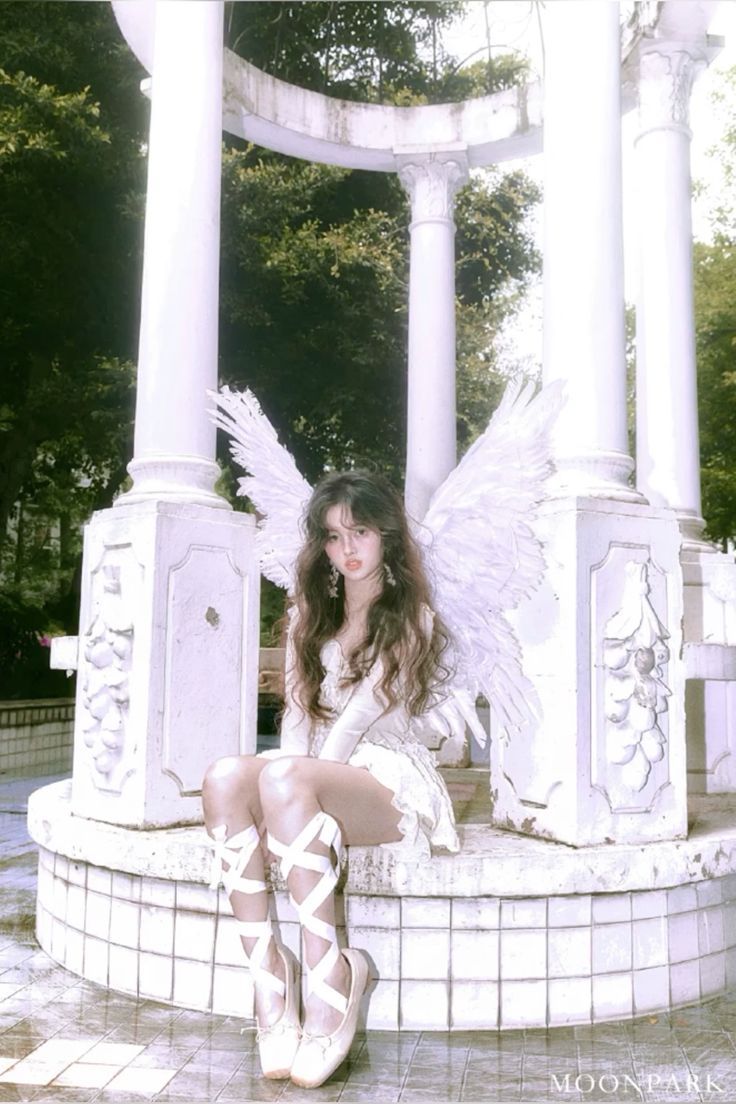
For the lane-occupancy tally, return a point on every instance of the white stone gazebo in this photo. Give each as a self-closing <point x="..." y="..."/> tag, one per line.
<point x="614" y="893"/>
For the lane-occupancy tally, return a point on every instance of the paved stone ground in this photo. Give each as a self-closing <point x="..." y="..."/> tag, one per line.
<point x="62" y="1039"/>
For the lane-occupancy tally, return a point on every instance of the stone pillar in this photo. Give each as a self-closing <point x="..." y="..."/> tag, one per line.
<point x="602" y="637"/>
<point x="168" y="636"/>
<point x="174" y="439"/>
<point x="584" y="338"/>
<point x="668" y="459"/>
<point x="431" y="182"/>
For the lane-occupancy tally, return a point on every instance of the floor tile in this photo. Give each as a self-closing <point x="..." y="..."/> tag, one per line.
<point x="112" y="1096"/>
<point x="362" y="1093"/>
<point x="197" y="1081"/>
<point x="332" y="1091"/>
<point x="17" y="1092"/>
<point x="112" y="1054"/>
<point x="28" y="1072"/>
<point x="161" y="1056"/>
<point x="244" y="1088"/>
<point x="443" y="1093"/>
<point x="86" y="1075"/>
<point x="63" y="1049"/>
<point x="141" y="1080"/>
<point x="59" y="1095"/>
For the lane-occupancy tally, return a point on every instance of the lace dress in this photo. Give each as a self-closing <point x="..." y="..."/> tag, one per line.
<point x="384" y="741"/>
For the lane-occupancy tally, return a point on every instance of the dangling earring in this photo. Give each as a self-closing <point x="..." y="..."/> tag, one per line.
<point x="390" y="577"/>
<point x="332" y="584"/>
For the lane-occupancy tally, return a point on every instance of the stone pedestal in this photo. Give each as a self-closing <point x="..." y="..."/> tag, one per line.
<point x="602" y="644"/>
<point x="168" y="658"/>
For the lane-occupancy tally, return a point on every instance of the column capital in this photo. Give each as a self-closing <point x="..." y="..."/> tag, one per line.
<point x="431" y="182"/>
<point x="667" y="71"/>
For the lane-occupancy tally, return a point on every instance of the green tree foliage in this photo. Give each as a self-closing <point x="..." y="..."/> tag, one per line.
<point x="68" y="255"/>
<point x="314" y="262"/>
<point x="314" y="298"/>
<point x="715" y="311"/>
<point x="370" y="51"/>
<point x="715" y="321"/>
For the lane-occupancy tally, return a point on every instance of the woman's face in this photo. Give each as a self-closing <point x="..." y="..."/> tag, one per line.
<point x="355" y="550"/>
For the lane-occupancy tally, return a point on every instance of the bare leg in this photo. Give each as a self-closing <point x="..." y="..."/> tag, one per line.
<point x="231" y="803"/>
<point x="292" y="791"/>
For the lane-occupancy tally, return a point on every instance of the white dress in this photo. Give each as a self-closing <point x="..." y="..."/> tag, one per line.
<point x="384" y="741"/>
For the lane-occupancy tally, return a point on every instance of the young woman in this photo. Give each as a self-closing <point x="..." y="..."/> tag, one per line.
<point x="363" y="669"/>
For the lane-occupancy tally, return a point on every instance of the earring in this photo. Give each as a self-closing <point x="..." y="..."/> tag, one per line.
<point x="390" y="577"/>
<point x="332" y="584"/>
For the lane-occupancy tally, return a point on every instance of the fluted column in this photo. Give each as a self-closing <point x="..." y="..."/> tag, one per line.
<point x="668" y="459"/>
<point x="431" y="183"/>
<point x="174" y="440"/>
<point x="584" y="341"/>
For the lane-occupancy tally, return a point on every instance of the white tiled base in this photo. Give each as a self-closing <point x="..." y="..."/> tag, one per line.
<point x="37" y="737"/>
<point x="437" y="963"/>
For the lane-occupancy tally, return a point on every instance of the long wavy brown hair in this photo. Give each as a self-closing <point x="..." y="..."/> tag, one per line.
<point x="399" y="632"/>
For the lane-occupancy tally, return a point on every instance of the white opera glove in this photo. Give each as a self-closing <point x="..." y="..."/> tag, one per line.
<point x="362" y="710"/>
<point x="296" y="725"/>
<point x="295" y="731"/>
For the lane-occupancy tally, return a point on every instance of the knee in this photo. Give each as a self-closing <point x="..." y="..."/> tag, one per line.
<point x="281" y="779"/>
<point x="225" y="778"/>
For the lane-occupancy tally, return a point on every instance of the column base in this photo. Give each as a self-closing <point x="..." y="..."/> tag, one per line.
<point x="174" y="479"/>
<point x="593" y="475"/>
<point x="694" y="544"/>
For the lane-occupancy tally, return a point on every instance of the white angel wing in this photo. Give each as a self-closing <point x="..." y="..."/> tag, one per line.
<point x="481" y="554"/>
<point x="275" y="486"/>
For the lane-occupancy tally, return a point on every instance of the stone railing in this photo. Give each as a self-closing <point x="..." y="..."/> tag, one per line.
<point x="36" y="737"/>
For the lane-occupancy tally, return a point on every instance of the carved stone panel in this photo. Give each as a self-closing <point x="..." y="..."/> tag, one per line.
<point x="629" y="759"/>
<point x="106" y="655"/>
<point x="202" y="636"/>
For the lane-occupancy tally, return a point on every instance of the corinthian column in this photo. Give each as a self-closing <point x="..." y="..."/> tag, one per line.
<point x="668" y="460"/>
<point x="584" y="340"/>
<point x="174" y="440"/>
<point x="431" y="183"/>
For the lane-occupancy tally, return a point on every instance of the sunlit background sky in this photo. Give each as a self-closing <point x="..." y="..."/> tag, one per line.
<point x="513" y="25"/>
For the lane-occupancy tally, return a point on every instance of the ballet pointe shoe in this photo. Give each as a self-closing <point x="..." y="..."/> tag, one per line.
<point x="278" y="1043"/>
<point x="319" y="1056"/>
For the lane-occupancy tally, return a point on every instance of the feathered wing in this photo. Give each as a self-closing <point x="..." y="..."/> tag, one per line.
<point x="275" y="486"/>
<point x="482" y="556"/>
